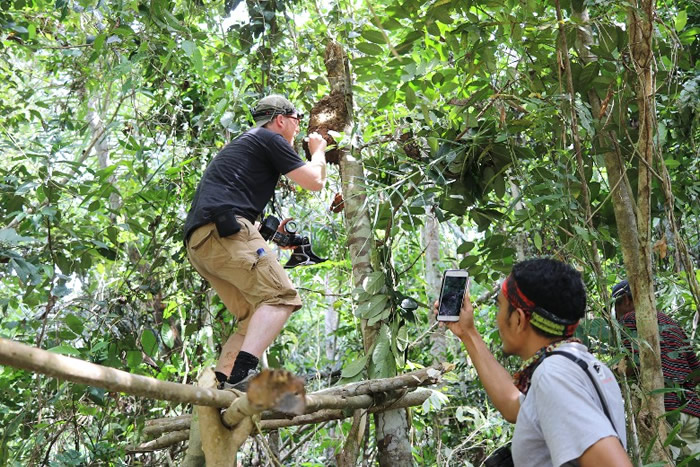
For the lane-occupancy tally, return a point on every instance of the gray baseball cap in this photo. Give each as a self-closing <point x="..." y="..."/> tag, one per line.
<point x="270" y="106"/>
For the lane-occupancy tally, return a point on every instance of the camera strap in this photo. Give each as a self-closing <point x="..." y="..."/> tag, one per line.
<point x="584" y="366"/>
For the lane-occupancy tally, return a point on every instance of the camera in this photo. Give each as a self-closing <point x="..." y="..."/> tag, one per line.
<point x="268" y="231"/>
<point x="302" y="254"/>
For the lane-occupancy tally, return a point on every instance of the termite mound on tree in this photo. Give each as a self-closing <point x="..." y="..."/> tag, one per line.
<point x="330" y="113"/>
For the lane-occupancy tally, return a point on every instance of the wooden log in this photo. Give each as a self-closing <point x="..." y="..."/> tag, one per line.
<point x="29" y="358"/>
<point x="423" y="377"/>
<point x="411" y="399"/>
<point x="163" y="442"/>
<point x="319" y="400"/>
<point x="165" y="420"/>
<point x="176" y="424"/>
<point x="219" y="444"/>
<point x="194" y="456"/>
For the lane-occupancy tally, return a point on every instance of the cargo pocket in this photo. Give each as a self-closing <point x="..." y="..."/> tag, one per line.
<point x="268" y="271"/>
<point x="199" y="237"/>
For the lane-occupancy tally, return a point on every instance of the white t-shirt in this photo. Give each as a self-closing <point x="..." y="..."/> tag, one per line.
<point x="562" y="415"/>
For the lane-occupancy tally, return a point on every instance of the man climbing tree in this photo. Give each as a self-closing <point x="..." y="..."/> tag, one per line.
<point x="226" y="248"/>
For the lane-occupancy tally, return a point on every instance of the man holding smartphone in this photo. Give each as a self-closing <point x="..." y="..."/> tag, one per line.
<point x="223" y="243"/>
<point x="562" y="412"/>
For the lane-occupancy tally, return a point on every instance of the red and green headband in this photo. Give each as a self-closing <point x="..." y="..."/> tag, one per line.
<point x="538" y="316"/>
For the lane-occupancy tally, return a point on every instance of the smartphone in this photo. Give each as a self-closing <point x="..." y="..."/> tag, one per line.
<point x="455" y="283"/>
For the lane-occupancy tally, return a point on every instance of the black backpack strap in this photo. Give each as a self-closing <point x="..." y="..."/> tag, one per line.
<point x="584" y="366"/>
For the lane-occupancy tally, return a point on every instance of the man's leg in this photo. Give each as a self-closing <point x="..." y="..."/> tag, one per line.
<point x="265" y="325"/>
<point x="229" y="352"/>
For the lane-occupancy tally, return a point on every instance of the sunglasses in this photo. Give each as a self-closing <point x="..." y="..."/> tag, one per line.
<point x="296" y="117"/>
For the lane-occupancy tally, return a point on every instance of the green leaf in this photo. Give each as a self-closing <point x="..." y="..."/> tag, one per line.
<point x="538" y="241"/>
<point x="681" y="20"/>
<point x="386" y="99"/>
<point x="465" y="247"/>
<point x="197" y="61"/>
<point x="586" y="76"/>
<point x="383" y="363"/>
<point x="149" y="343"/>
<point x="402" y="338"/>
<point x="99" y="42"/>
<point x="74" y="323"/>
<point x="373" y="35"/>
<point x="133" y="358"/>
<point x="369" y="48"/>
<point x="354" y="368"/>
<point x="381" y="316"/>
<point x="410" y="96"/>
<point x="189" y="47"/>
<point x="672" y="163"/>
<point x="374" y="282"/>
<point x="10" y="236"/>
<point x="372" y="307"/>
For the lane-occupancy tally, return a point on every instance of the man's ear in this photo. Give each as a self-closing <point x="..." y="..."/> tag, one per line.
<point x="521" y="319"/>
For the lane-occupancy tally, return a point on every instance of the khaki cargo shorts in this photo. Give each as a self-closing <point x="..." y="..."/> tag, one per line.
<point x="242" y="280"/>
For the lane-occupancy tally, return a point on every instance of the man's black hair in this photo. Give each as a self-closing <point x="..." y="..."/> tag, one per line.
<point x="552" y="285"/>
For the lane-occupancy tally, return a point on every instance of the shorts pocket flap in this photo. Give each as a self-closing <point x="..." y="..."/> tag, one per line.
<point x="200" y="236"/>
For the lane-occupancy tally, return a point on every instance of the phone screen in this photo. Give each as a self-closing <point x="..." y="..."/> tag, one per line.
<point x="453" y="288"/>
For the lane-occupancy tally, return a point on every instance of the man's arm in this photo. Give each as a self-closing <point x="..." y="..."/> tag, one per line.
<point x="496" y="379"/>
<point x="312" y="175"/>
<point x="605" y="452"/>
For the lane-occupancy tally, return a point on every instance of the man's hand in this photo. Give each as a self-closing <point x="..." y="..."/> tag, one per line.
<point x="466" y="318"/>
<point x="280" y="229"/>
<point x="316" y="143"/>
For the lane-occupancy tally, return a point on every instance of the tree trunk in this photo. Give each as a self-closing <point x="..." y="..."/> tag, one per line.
<point x="392" y="427"/>
<point x="641" y="31"/>
<point x="633" y="220"/>
<point x="431" y="245"/>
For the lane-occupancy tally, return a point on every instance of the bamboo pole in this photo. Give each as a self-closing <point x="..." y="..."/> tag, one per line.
<point x="29" y="358"/>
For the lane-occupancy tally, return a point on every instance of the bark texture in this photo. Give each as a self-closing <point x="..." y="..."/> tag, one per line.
<point x="392" y="427"/>
<point x="29" y="358"/>
<point x="431" y="245"/>
<point x="641" y="30"/>
<point x="633" y="219"/>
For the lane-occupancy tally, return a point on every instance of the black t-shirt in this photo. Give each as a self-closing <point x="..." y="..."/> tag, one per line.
<point x="242" y="177"/>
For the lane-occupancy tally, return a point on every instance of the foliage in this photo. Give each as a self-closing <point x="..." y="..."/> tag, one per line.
<point x="112" y="109"/>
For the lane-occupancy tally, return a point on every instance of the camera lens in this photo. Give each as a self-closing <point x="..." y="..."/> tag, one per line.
<point x="290" y="227"/>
